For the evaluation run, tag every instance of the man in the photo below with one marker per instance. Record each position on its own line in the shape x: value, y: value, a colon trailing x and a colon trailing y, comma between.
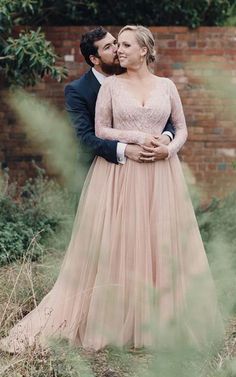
x: 99, y: 49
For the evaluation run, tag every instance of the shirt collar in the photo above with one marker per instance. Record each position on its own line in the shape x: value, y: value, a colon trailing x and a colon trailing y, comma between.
x: 99, y: 76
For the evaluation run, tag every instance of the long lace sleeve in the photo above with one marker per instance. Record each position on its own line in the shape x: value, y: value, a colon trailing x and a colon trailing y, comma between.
x: 103, y: 119
x: 178, y: 120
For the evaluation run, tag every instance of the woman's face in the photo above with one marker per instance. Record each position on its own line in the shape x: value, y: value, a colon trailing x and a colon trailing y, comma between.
x: 130, y: 54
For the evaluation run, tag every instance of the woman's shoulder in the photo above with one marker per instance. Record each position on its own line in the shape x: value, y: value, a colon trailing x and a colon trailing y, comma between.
x: 110, y: 82
x: 165, y: 80
x: 168, y: 84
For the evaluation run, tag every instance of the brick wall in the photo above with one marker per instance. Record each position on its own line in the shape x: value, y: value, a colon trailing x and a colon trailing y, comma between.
x: 211, y: 146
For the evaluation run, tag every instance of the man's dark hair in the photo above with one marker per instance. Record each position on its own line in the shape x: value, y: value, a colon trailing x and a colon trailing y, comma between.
x: 87, y: 46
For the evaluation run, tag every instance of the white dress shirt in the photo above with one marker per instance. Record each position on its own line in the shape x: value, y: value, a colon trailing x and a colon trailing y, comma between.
x: 120, y: 151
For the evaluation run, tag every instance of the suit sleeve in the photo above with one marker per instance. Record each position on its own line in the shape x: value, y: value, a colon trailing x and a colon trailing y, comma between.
x: 103, y: 119
x: 81, y: 120
x: 169, y: 127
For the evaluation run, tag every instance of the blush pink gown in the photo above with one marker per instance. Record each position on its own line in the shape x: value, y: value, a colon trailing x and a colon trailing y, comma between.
x: 136, y: 261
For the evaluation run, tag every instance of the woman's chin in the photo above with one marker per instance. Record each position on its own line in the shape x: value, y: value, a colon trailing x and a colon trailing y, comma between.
x: 123, y: 64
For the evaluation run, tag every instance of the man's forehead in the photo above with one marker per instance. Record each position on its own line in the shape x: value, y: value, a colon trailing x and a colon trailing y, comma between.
x: 104, y: 41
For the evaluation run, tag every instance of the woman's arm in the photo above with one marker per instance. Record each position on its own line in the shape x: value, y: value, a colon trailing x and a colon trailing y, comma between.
x: 103, y: 119
x: 178, y: 120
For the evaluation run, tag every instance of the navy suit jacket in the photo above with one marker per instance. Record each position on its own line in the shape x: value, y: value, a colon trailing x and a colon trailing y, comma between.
x: 81, y: 96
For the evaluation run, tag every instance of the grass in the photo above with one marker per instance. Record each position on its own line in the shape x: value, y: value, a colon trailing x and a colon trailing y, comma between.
x: 23, y: 285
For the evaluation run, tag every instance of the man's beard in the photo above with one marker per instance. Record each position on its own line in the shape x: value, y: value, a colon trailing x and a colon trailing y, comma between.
x: 112, y: 69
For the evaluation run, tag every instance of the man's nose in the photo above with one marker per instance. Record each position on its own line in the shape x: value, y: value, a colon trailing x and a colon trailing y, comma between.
x: 115, y: 47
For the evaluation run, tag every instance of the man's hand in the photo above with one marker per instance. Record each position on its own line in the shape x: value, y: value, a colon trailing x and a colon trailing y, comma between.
x: 163, y: 139
x: 160, y: 152
x: 133, y: 152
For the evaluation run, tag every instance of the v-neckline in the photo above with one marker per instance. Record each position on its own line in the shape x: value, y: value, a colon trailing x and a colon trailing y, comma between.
x: 135, y: 99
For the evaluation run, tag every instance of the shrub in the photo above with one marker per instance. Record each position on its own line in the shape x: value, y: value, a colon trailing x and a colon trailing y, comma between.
x: 36, y: 211
x: 26, y: 58
x: 147, y: 12
x: 218, y: 220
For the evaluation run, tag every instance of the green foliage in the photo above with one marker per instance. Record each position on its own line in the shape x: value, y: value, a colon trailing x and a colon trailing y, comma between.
x: 34, y: 214
x: 218, y: 230
x: 147, y: 12
x: 27, y: 58
x: 218, y: 219
x: 217, y: 12
x: 231, y: 21
x: 12, y: 12
x: 30, y: 57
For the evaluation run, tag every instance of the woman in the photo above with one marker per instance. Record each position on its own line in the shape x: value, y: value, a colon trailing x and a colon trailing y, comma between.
x: 136, y: 252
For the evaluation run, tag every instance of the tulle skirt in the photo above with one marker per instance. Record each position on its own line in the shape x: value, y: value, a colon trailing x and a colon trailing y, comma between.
x: 135, y: 265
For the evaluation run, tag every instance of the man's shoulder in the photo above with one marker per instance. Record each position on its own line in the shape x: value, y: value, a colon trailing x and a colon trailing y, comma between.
x: 79, y: 83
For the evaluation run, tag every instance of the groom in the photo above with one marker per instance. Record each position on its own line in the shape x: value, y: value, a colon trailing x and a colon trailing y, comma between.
x: 99, y: 49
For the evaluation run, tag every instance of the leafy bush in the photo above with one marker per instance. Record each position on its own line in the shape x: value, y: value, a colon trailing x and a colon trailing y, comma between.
x: 32, y: 57
x: 36, y: 212
x: 218, y: 220
x: 147, y: 12
x: 26, y: 58
x: 231, y: 21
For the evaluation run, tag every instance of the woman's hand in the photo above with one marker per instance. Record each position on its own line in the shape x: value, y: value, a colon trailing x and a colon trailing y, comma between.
x: 152, y: 154
x: 163, y: 139
x: 150, y: 140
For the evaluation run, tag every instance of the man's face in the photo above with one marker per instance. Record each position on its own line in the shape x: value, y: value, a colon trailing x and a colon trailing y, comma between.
x: 107, y: 54
x: 107, y: 49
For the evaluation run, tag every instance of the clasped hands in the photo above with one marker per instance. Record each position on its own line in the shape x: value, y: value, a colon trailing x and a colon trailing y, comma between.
x: 153, y: 149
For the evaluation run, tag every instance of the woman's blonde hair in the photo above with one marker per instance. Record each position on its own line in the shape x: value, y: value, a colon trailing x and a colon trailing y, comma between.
x: 145, y: 39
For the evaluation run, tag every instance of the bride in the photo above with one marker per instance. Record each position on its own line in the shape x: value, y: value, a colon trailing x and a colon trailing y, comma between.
x: 136, y: 256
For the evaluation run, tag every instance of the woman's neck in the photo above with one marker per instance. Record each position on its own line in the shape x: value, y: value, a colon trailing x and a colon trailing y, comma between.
x: 140, y: 73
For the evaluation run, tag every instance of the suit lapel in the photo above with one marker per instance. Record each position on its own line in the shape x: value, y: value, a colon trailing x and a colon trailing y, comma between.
x: 93, y: 82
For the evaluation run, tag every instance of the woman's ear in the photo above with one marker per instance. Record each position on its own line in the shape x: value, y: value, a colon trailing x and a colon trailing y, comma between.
x: 144, y: 51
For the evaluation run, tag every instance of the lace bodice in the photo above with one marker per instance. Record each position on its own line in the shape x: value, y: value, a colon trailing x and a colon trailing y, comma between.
x: 120, y: 116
